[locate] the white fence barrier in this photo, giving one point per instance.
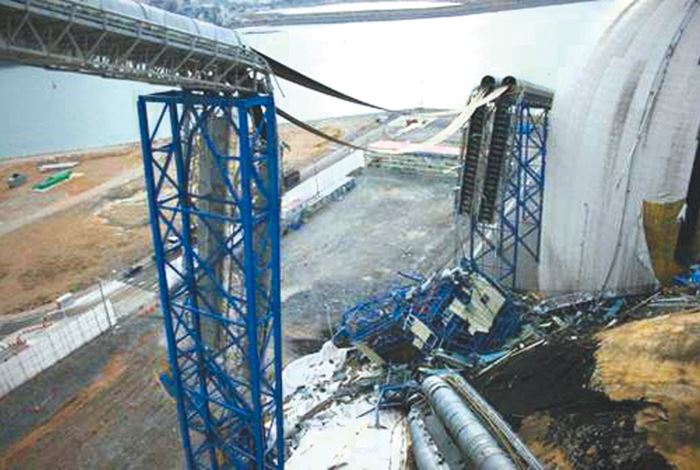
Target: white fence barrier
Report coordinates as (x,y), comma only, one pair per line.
(46,346)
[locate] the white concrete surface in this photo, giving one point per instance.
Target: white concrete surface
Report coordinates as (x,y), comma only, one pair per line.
(623,131)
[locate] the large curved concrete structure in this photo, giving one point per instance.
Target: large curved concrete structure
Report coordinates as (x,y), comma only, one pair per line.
(623,131)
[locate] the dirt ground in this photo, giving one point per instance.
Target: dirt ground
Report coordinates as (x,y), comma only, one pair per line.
(303,148)
(71,248)
(94,169)
(658,361)
(69,251)
(77,242)
(103,406)
(628,397)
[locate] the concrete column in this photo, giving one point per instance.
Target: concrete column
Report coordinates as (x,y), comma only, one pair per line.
(211,184)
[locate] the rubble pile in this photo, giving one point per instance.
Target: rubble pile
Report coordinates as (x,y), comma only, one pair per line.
(457,311)
(366,386)
(335,392)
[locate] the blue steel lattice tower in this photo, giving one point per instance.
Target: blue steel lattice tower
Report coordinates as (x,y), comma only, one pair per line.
(212,177)
(504,153)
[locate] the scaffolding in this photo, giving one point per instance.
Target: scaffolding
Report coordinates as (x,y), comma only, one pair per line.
(506,216)
(212,177)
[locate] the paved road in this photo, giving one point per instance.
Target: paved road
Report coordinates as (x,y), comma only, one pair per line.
(135,291)
(472,7)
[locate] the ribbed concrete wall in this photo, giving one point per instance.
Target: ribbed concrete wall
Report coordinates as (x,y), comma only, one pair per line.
(606,157)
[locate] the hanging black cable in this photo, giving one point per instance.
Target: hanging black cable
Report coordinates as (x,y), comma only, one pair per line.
(299,78)
(313,130)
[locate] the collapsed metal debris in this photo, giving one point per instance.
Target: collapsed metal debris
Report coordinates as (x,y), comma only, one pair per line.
(458,311)
(692,279)
(426,340)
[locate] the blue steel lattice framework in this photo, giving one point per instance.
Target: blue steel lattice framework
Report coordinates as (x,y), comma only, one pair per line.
(497,248)
(228,390)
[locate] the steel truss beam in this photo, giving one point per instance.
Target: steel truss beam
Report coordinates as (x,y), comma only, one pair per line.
(496,248)
(124,39)
(229,390)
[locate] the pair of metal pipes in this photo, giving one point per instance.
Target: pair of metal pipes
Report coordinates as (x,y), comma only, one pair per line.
(477,442)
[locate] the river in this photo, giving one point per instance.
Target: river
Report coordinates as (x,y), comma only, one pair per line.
(400,64)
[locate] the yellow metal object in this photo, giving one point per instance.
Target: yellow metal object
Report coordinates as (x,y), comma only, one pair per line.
(661,232)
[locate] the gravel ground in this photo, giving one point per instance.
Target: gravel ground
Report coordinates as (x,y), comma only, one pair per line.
(355,248)
(103,406)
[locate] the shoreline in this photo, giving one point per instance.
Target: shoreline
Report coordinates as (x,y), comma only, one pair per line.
(125,147)
(463,9)
(89,152)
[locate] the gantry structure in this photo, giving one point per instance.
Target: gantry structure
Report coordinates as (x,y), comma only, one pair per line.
(503,155)
(212,177)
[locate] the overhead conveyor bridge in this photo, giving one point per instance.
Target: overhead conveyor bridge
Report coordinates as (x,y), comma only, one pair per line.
(129,40)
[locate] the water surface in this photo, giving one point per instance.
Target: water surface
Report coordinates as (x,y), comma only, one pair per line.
(400,64)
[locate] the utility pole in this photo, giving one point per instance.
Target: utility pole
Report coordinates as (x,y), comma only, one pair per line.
(104,303)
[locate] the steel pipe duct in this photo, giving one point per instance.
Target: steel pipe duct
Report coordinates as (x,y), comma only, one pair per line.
(474,441)
(482,407)
(488,83)
(426,454)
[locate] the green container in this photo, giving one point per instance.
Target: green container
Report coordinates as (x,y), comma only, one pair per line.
(53,180)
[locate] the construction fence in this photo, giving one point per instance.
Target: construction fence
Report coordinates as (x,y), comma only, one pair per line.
(43,346)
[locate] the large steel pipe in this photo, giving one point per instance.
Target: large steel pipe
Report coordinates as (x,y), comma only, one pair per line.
(488,83)
(425,452)
(482,407)
(473,439)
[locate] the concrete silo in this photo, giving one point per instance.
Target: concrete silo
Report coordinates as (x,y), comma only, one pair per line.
(621,207)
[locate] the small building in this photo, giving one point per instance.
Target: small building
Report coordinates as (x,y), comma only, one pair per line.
(407,157)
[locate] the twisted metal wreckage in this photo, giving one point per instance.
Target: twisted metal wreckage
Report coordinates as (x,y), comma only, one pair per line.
(466,310)
(427,333)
